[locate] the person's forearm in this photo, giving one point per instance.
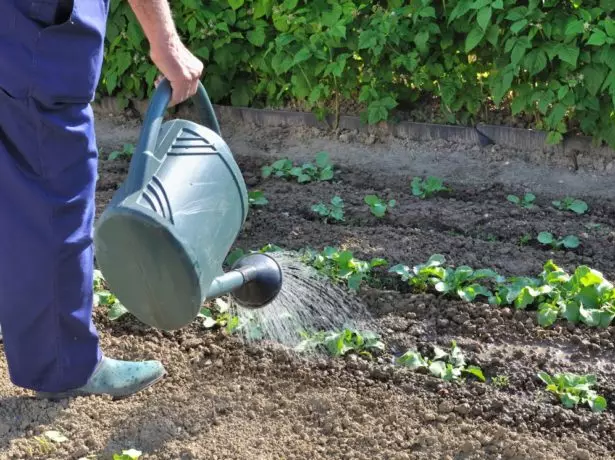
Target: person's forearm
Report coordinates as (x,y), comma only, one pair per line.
(156,21)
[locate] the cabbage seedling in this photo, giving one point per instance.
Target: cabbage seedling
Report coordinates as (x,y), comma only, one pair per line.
(526,202)
(428,187)
(377,206)
(571,204)
(333,211)
(568,242)
(257,198)
(572,390)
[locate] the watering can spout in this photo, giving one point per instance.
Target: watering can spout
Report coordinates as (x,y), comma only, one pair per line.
(162,240)
(253,281)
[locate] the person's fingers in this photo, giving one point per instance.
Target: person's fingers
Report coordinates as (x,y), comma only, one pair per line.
(183,90)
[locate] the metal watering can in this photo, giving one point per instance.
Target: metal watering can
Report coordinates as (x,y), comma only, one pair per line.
(161,242)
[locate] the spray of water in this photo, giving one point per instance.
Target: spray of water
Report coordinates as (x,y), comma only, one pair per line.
(308,302)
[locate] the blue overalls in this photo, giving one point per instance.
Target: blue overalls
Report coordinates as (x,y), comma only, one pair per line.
(50,60)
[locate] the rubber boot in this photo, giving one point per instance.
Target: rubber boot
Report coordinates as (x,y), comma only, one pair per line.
(118,379)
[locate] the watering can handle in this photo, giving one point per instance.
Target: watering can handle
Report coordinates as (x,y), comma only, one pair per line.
(154,115)
(158,106)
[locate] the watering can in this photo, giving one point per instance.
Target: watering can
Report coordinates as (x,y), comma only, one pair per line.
(162,241)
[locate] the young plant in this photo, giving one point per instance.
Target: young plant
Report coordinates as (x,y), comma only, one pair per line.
(103,297)
(500,381)
(257,198)
(568,242)
(571,204)
(525,239)
(126,152)
(334,211)
(461,281)
(130,454)
(421,276)
(572,390)
(447,365)
(321,170)
(377,206)
(238,253)
(526,202)
(427,187)
(585,296)
(280,169)
(341,266)
(340,343)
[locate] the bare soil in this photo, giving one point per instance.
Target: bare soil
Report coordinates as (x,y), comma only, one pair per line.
(225,399)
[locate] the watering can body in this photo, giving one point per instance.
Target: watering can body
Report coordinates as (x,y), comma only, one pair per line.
(161,242)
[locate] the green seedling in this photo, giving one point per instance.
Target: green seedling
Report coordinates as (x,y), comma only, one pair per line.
(500,381)
(280,169)
(103,297)
(257,198)
(341,343)
(526,202)
(520,292)
(341,266)
(571,204)
(220,315)
(126,152)
(238,253)
(130,454)
(572,390)
(321,170)
(334,211)
(525,239)
(568,242)
(461,281)
(421,276)
(585,296)
(427,187)
(447,365)
(377,206)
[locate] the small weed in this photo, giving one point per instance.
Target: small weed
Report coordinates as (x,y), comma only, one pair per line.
(525,239)
(427,187)
(526,202)
(257,198)
(322,170)
(447,365)
(377,206)
(340,343)
(126,152)
(571,204)
(572,390)
(334,211)
(500,381)
(568,242)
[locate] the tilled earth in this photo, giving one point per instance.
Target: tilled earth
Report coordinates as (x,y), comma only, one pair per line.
(224,399)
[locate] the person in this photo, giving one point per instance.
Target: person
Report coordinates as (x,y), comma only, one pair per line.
(51,54)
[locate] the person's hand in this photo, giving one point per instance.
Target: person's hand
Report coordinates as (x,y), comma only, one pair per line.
(178,65)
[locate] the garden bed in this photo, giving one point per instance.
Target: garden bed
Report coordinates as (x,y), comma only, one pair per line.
(226,399)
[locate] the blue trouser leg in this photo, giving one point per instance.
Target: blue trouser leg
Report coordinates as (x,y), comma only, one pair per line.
(48,161)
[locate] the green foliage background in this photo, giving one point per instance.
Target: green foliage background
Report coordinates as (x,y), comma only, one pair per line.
(551,62)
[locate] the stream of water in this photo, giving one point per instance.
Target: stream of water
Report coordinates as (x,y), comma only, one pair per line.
(307,302)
